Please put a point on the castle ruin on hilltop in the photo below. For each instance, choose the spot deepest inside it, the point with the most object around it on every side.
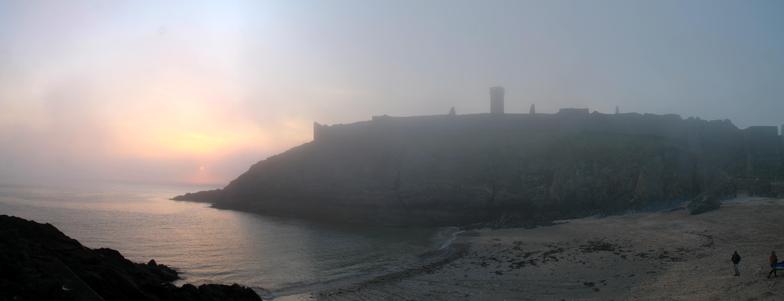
(764, 145)
(496, 117)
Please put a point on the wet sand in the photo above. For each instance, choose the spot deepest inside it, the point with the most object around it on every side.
(646, 256)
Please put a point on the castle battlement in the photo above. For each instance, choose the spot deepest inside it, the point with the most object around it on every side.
(763, 142)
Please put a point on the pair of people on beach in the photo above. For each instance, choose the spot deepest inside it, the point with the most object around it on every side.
(773, 260)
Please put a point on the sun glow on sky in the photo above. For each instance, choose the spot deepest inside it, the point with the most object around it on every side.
(134, 92)
(197, 91)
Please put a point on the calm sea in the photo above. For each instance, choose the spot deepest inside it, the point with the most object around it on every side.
(275, 256)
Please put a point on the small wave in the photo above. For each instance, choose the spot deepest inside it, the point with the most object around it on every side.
(446, 236)
(442, 240)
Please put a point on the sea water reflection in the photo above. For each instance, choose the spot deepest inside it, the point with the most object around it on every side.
(281, 255)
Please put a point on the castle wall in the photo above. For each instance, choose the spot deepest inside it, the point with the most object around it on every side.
(762, 146)
(514, 124)
(566, 121)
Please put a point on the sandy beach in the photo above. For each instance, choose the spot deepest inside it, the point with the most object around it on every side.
(645, 256)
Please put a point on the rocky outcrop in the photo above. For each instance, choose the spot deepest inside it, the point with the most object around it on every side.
(720, 186)
(38, 262)
(703, 203)
(475, 168)
(201, 196)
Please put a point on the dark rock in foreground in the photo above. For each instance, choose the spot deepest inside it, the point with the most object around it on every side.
(38, 262)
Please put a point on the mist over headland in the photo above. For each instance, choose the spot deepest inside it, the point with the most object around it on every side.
(162, 92)
(351, 150)
(513, 168)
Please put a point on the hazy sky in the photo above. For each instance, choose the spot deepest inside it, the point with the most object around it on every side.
(195, 92)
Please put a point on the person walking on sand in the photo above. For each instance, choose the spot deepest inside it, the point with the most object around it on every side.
(773, 261)
(735, 262)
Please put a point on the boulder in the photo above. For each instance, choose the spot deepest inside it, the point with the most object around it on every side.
(703, 203)
(38, 262)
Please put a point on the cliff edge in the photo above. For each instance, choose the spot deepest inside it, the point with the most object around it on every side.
(517, 169)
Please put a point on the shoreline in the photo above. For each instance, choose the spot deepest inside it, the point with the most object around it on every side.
(444, 251)
(638, 256)
(446, 256)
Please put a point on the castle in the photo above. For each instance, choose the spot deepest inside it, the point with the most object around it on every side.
(764, 146)
(452, 169)
(496, 115)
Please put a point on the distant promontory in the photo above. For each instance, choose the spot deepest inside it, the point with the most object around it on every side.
(507, 168)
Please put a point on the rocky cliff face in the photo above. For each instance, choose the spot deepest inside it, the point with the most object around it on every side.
(38, 262)
(456, 171)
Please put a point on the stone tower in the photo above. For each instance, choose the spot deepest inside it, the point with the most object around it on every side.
(497, 100)
(532, 110)
(317, 131)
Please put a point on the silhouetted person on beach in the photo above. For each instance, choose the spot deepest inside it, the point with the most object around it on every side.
(735, 262)
(773, 261)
